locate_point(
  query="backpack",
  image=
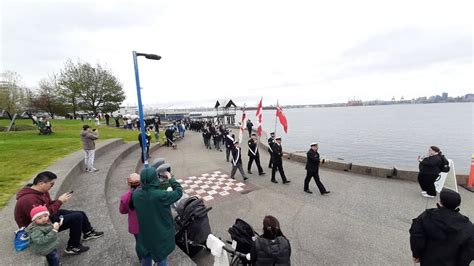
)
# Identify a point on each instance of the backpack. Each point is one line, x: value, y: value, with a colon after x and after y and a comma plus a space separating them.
x: 444, y: 166
x: 21, y: 240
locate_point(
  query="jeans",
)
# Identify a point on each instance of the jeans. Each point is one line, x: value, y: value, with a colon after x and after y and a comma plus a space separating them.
x: 53, y: 258
x: 148, y: 262
x: 89, y: 158
x: 77, y: 223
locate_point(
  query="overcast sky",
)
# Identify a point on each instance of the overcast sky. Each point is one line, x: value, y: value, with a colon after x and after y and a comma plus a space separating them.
x: 299, y: 52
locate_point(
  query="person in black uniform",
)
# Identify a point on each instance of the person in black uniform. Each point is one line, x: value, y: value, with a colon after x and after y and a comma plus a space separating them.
x: 249, y: 127
x: 229, y: 145
x: 237, y: 161
x: 312, y: 170
x: 254, y: 155
x: 271, y: 140
x: 277, y: 161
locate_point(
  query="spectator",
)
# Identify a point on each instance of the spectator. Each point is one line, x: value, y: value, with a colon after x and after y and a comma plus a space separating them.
x: 44, y: 239
x: 152, y: 204
x: 107, y: 117
x: 127, y: 207
x: 429, y: 171
x: 442, y: 236
x: 147, y: 143
x: 272, y: 248
x: 88, y: 138
x: 38, y: 194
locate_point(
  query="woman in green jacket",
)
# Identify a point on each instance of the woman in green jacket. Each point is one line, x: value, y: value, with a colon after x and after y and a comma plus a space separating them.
x: 154, y: 216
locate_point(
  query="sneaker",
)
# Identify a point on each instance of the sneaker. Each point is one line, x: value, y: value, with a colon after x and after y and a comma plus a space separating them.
x: 92, y: 234
x: 93, y: 170
x: 87, y: 169
x: 423, y: 193
x: 428, y: 196
x: 76, y: 250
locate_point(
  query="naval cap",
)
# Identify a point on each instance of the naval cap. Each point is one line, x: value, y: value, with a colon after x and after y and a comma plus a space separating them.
x: 313, y: 144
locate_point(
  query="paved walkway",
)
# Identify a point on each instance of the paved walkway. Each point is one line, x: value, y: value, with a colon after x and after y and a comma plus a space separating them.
x: 365, y: 220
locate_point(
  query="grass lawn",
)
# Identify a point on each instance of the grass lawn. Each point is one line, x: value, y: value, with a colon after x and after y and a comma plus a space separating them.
x: 25, y: 153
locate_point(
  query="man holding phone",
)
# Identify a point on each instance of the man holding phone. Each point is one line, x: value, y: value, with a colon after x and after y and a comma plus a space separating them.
x: 88, y: 137
x: 37, y: 194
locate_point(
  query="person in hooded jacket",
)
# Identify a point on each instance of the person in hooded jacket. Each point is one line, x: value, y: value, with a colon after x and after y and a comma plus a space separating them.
x: 152, y: 204
x: 272, y: 248
x: 429, y: 171
x: 443, y: 236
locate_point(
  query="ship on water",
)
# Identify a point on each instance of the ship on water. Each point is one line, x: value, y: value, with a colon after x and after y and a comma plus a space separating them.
x: 354, y: 102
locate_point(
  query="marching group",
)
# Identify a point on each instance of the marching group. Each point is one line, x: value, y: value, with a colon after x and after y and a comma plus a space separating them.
x: 439, y: 236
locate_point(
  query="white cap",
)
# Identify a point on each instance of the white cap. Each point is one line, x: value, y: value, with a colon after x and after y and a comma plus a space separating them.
x: 313, y: 144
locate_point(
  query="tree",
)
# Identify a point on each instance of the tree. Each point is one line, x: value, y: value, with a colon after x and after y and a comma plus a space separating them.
x: 94, y: 89
x: 12, y: 95
x: 47, y: 98
x: 71, y: 81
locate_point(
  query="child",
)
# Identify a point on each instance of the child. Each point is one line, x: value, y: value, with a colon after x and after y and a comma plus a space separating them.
x: 126, y: 207
x: 44, y: 235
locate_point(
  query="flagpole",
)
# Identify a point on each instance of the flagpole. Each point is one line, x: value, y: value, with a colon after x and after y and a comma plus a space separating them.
x: 276, y: 121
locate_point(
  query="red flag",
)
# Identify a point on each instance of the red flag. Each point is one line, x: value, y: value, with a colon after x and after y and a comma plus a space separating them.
x: 259, y: 118
x: 281, y: 116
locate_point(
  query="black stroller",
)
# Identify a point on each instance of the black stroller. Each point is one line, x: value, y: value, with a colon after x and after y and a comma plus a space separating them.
x: 192, y: 225
x: 244, y: 235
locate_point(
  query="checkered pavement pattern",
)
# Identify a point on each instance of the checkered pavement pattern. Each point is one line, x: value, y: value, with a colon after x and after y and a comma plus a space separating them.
x: 213, y: 186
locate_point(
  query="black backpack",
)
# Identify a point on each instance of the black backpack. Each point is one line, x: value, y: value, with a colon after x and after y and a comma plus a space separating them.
x: 444, y: 166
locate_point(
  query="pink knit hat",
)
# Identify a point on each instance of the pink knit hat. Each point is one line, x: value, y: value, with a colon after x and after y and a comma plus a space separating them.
x: 38, y: 211
x: 133, y: 179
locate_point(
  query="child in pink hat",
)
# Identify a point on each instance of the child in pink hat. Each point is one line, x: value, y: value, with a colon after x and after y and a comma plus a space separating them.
x: 126, y: 206
x: 44, y: 235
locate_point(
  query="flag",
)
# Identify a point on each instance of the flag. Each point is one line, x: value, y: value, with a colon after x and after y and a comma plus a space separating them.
x: 259, y: 118
x: 281, y: 116
x: 242, y: 125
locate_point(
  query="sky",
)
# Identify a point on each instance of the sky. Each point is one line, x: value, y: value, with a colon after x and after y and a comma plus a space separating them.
x: 296, y: 52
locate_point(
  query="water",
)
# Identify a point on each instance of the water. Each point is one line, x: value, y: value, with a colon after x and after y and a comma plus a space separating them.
x: 388, y: 136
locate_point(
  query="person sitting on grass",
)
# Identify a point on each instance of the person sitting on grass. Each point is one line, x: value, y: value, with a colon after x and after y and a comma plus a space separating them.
x: 44, y: 239
x: 38, y: 194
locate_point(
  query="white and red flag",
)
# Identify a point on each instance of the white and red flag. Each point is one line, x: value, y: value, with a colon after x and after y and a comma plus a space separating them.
x: 259, y: 118
x: 281, y: 116
x: 242, y: 125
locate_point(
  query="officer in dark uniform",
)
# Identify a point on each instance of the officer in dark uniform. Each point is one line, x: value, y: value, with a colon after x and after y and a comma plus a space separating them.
x: 254, y: 155
x: 312, y: 170
x: 229, y: 144
x: 271, y: 140
x: 277, y: 161
x: 237, y: 161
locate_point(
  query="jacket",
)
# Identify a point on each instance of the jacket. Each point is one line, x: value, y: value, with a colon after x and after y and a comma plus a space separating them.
x: 277, y: 153
x: 312, y: 161
x: 124, y: 208
x: 87, y: 139
x: 43, y: 239
x: 271, y: 141
x: 236, y: 156
x: 431, y: 165
x: 271, y: 252
x: 26, y: 199
x: 253, y: 149
x: 442, y: 236
x: 157, y: 234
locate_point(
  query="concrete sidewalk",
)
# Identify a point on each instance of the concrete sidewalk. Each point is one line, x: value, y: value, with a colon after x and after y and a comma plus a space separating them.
x: 365, y: 220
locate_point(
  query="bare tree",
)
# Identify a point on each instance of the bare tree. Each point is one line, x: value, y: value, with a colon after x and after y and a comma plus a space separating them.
x: 47, y: 98
x: 12, y: 94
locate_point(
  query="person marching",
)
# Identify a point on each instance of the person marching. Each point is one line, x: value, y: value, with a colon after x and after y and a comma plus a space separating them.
x: 254, y: 155
x: 277, y: 161
x: 312, y: 169
x: 271, y: 140
x: 237, y: 161
x: 229, y: 144
x: 249, y: 127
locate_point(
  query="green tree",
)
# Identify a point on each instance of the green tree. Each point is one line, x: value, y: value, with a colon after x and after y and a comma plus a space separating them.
x: 12, y: 94
x: 47, y: 98
x: 71, y: 83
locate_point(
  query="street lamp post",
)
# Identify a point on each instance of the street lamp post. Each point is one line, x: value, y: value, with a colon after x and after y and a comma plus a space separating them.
x: 140, y: 107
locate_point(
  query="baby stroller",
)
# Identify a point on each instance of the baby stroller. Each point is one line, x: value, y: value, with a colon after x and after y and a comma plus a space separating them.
x: 192, y: 225
x: 243, y: 235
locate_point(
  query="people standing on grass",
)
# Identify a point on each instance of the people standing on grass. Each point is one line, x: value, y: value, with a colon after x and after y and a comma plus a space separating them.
x: 88, y: 138
x: 76, y: 222
x: 443, y: 236
x: 429, y: 171
x: 237, y: 161
x: 156, y: 239
x: 312, y: 169
x: 277, y: 161
x: 44, y: 238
